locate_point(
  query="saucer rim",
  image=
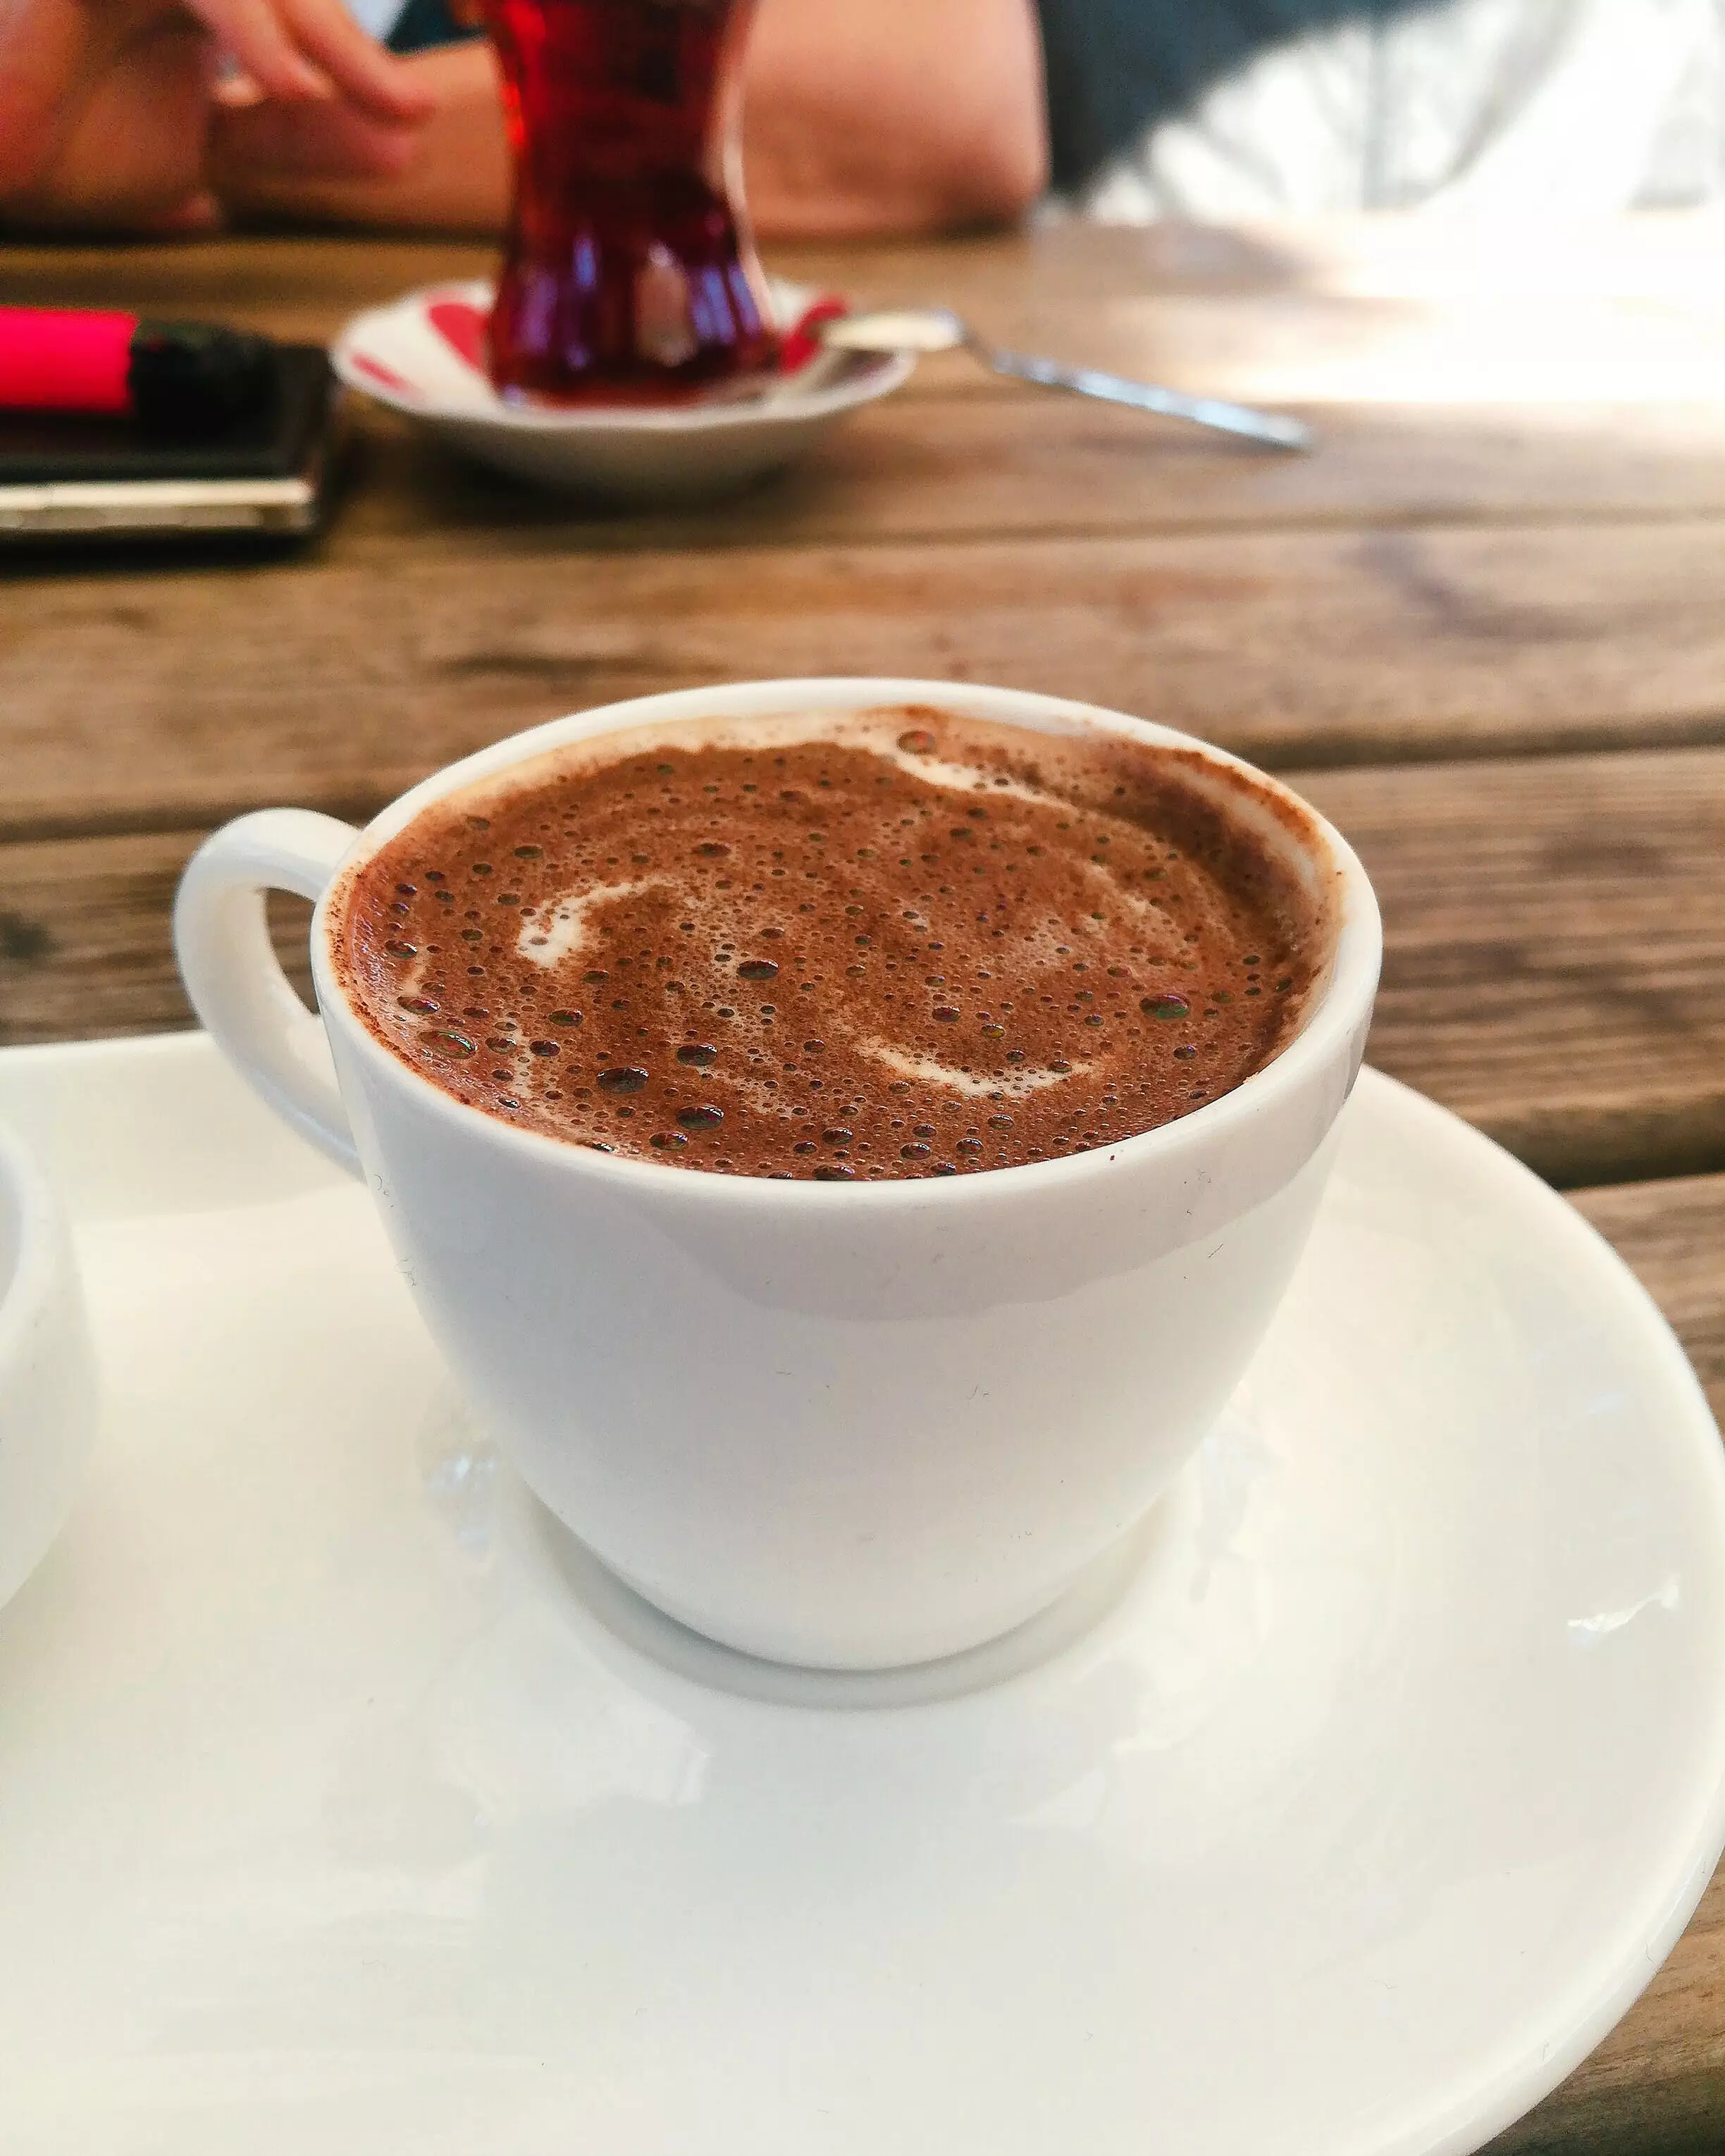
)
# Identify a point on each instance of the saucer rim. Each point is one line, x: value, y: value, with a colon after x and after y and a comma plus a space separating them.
x: 1576, y: 2027
x: 788, y: 405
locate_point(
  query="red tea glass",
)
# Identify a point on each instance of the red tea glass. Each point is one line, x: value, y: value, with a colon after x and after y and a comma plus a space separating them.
x: 629, y: 275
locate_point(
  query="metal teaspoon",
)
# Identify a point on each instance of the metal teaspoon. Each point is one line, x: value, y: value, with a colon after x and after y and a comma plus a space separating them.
x: 939, y: 329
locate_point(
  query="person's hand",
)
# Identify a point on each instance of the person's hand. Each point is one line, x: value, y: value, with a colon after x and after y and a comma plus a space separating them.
x: 109, y: 107
x: 302, y: 162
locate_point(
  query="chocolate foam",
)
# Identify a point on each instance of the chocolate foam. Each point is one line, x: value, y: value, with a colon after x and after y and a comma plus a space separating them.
x: 841, y: 945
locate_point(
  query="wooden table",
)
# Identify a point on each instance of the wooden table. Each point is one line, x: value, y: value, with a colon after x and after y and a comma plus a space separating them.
x: 1484, y: 628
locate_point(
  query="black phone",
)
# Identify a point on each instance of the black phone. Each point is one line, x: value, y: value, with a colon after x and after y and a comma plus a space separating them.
x: 69, y: 475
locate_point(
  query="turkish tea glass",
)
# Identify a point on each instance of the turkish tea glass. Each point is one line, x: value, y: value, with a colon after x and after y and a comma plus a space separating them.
x: 628, y: 274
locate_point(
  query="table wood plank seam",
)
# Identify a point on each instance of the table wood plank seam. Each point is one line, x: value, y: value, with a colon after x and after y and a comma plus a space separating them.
x: 649, y: 537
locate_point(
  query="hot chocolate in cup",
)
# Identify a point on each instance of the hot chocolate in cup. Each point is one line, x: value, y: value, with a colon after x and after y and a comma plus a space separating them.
x: 881, y: 1416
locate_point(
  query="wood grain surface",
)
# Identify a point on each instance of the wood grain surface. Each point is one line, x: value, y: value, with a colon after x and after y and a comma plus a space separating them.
x: 1554, y: 962
x: 167, y: 694
x: 996, y: 464
x: 1671, y: 1233
x: 1483, y: 628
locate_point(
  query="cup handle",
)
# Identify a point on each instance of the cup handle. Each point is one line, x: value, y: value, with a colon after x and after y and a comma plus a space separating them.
x: 235, y: 978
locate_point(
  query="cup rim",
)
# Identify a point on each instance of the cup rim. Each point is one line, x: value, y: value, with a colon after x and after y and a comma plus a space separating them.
x: 1340, y: 1009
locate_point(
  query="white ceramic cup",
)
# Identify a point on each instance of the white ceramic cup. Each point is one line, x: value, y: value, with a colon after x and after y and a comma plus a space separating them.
x: 847, y: 1426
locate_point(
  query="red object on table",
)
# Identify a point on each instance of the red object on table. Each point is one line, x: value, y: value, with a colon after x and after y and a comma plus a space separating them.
x: 188, y: 379
x: 801, y: 343
x: 61, y: 360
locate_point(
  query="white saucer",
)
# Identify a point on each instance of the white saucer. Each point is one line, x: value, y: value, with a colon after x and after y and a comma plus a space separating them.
x: 347, y: 1807
x: 422, y: 355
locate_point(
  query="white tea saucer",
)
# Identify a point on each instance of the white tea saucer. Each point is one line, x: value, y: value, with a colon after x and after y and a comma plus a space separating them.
x: 348, y: 1806
x: 423, y: 354
x: 48, y: 1381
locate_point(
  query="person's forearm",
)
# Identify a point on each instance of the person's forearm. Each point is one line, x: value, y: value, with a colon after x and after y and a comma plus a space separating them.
x: 896, y: 117
x: 102, y: 113
x: 900, y: 117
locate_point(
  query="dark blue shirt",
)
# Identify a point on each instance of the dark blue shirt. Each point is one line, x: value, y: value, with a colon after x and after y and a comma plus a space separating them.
x: 1115, y: 67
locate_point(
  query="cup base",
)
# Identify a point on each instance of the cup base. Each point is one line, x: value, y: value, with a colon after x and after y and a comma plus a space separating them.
x: 649, y: 1628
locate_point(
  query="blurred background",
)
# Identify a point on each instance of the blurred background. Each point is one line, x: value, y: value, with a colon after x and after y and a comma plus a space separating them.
x: 900, y: 116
